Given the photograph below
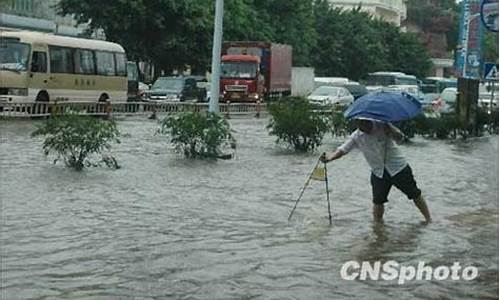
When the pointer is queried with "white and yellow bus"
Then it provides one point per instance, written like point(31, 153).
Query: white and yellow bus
point(47, 68)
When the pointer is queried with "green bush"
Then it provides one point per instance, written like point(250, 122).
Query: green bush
point(198, 135)
point(340, 126)
point(75, 138)
point(295, 123)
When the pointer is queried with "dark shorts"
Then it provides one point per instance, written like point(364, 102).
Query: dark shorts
point(403, 180)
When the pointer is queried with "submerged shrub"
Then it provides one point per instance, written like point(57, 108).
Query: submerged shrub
point(74, 139)
point(340, 126)
point(198, 135)
point(295, 123)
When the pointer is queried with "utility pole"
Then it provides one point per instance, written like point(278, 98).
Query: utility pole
point(216, 53)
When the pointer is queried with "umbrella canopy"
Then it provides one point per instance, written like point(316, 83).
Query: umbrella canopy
point(385, 106)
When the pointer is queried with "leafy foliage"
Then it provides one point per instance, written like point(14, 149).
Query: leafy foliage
point(175, 33)
point(197, 135)
point(295, 123)
point(444, 126)
point(436, 17)
point(169, 33)
point(340, 126)
point(352, 43)
point(490, 46)
point(74, 138)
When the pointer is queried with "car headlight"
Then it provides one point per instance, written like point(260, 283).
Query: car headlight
point(254, 96)
point(17, 92)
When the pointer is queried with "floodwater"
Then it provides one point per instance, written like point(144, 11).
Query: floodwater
point(163, 227)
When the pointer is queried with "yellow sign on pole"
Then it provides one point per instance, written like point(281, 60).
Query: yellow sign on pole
point(319, 173)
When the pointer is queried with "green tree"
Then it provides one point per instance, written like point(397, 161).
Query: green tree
point(5, 3)
point(352, 43)
point(75, 139)
point(176, 33)
point(169, 33)
point(282, 21)
point(405, 52)
point(295, 123)
point(293, 24)
point(490, 45)
point(198, 135)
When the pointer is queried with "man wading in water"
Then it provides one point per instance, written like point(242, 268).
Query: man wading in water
point(389, 167)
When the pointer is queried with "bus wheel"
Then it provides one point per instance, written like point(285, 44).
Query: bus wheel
point(103, 98)
point(41, 103)
point(43, 96)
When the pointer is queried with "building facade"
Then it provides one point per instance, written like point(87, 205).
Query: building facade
point(38, 15)
point(393, 11)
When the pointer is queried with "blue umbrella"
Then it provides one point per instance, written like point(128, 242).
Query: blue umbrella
point(385, 106)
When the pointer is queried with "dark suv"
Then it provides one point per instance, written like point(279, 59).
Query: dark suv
point(176, 89)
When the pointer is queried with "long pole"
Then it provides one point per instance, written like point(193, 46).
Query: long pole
point(303, 189)
point(492, 89)
point(328, 196)
point(216, 53)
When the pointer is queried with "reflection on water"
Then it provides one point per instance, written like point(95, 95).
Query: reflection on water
point(163, 227)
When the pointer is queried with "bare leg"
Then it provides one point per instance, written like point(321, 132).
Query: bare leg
point(378, 213)
point(422, 206)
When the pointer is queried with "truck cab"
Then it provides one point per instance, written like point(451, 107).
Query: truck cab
point(241, 80)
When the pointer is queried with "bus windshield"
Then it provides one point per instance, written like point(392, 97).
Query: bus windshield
point(14, 56)
point(382, 80)
point(238, 70)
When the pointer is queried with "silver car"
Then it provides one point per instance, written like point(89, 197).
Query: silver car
point(331, 95)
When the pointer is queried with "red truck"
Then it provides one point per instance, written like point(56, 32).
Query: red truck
point(255, 71)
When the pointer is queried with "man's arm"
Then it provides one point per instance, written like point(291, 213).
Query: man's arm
point(347, 146)
point(394, 133)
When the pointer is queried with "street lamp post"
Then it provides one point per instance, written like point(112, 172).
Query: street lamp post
point(216, 53)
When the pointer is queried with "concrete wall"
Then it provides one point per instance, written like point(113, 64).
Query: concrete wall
point(302, 81)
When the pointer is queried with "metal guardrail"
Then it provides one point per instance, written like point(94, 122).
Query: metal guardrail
point(41, 109)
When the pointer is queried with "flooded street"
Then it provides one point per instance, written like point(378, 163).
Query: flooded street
point(163, 227)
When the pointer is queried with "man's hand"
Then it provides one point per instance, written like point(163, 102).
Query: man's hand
point(328, 157)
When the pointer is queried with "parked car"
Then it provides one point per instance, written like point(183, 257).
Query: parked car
point(446, 101)
point(330, 95)
point(203, 87)
point(413, 90)
point(428, 99)
point(449, 95)
point(356, 89)
point(485, 96)
point(176, 89)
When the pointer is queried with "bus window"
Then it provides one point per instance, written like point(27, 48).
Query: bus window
point(61, 60)
point(406, 81)
point(84, 62)
point(39, 62)
point(105, 63)
point(121, 64)
point(382, 80)
point(13, 55)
